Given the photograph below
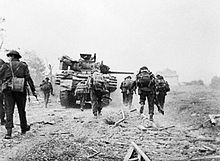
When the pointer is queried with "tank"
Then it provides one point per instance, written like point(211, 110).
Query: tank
point(73, 76)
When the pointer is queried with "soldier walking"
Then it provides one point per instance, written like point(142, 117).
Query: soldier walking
point(162, 87)
point(146, 89)
point(47, 89)
point(128, 87)
point(97, 92)
point(15, 91)
point(2, 108)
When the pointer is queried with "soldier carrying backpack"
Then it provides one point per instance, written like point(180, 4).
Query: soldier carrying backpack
point(47, 88)
point(128, 87)
point(162, 87)
point(145, 81)
point(98, 91)
point(16, 78)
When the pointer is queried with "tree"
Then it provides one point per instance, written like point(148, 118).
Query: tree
point(215, 82)
point(36, 66)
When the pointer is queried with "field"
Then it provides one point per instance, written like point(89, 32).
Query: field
point(59, 133)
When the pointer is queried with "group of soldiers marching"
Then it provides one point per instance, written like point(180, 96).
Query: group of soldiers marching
point(150, 87)
point(15, 81)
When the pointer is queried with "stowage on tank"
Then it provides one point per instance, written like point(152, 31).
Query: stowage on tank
point(73, 79)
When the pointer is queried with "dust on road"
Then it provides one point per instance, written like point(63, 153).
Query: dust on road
point(58, 133)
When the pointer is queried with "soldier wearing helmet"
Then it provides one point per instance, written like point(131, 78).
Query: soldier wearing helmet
point(98, 91)
point(146, 89)
point(162, 87)
point(19, 70)
point(47, 89)
point(128, 87)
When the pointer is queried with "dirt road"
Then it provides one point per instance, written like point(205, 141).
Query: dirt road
point(58, 133)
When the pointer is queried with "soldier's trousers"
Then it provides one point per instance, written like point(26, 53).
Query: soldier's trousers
point(18, 98)
point(96, 107)
point(150, 98)
point(127, 98)
point(2, 108)
point(96, 99)
point(160, 99)
point(46, 98)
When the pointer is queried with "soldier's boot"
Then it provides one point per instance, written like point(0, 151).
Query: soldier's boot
point(82, 105)
point(8, 134)
point(23, 131)
point(161, 110)
point(151, 117)
point(95, 115)
point(100, 113)
point(141, 108)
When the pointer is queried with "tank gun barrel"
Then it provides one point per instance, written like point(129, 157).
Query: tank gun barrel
point(114, 72)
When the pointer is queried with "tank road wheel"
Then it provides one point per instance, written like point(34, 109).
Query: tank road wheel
point(67, 99)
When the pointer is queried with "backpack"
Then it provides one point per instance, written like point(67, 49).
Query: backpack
point(45, 86)
point(144, 79)
point(98, 81)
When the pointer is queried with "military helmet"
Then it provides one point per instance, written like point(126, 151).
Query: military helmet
point(15, 53)
point(128, 77)
point(159, 76)
point(143, 69)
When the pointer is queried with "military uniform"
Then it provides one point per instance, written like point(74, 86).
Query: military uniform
point(146, 91)
point(2, 108)
point(47, 89)
point(162, 87)
point(96, 95)
point(128, 87)
point(20, 70)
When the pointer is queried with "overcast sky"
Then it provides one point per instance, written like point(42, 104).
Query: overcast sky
point(183, 35)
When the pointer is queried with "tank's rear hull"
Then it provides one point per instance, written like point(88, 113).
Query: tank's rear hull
point(74, 87)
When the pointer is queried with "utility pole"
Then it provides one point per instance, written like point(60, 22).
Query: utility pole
point(51, 72)
point(1, 44)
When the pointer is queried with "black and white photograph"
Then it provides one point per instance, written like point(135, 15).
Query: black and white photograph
point(109, 80)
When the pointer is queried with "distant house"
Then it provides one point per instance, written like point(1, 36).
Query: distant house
point(170, 76)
